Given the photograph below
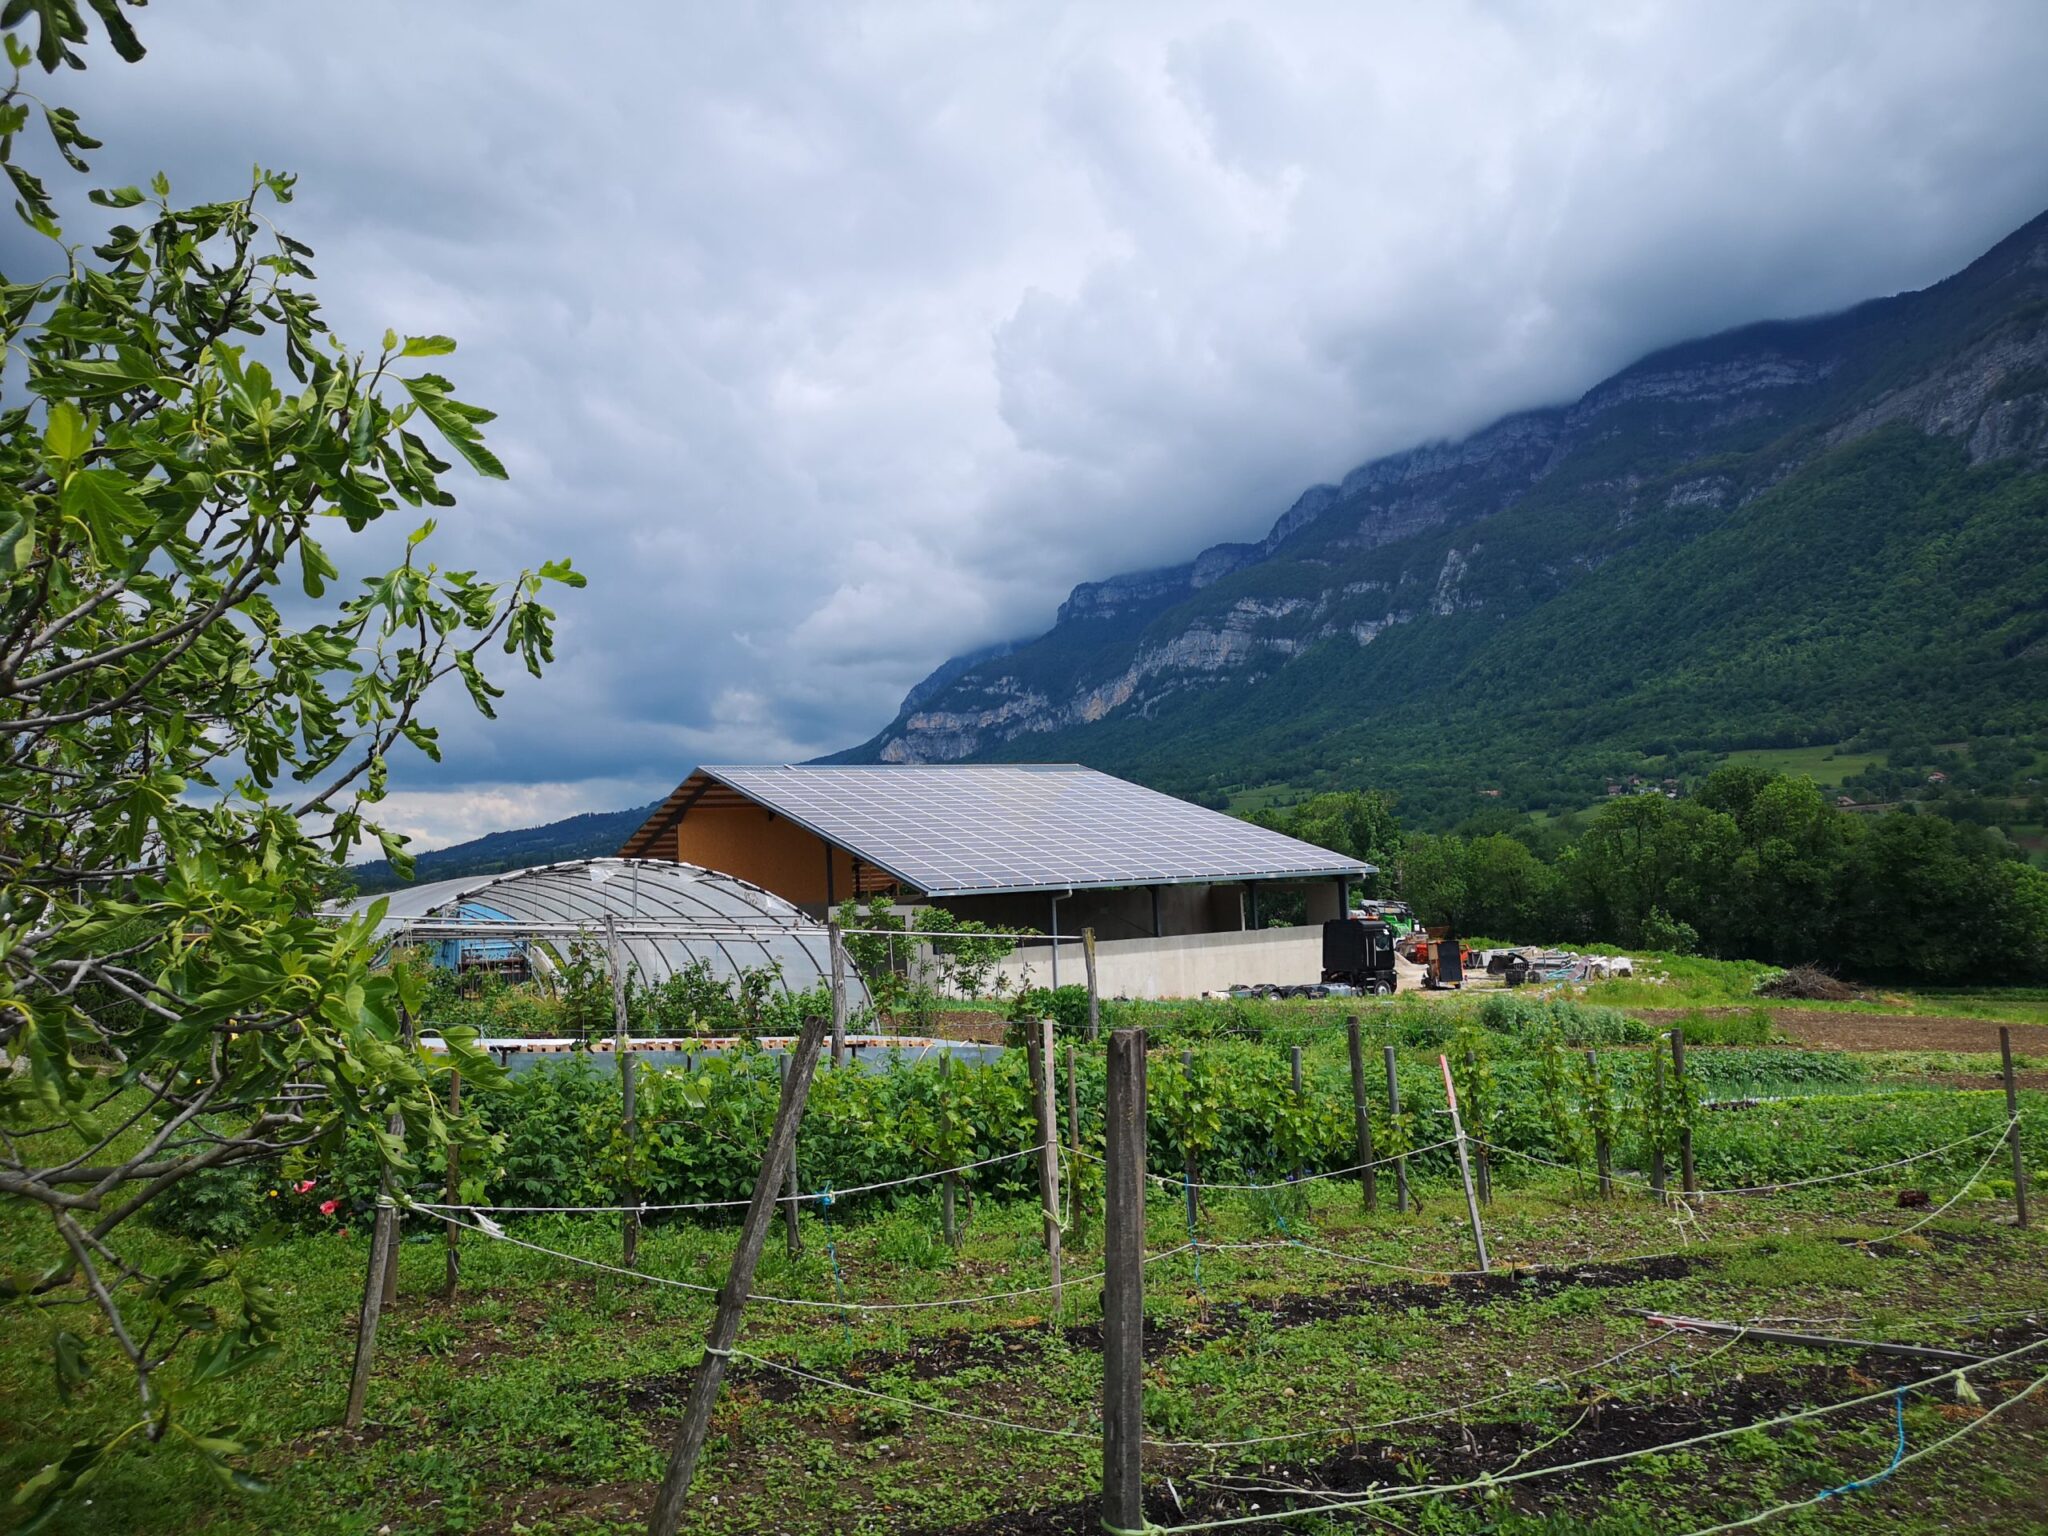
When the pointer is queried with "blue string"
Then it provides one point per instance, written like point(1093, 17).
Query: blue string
point(832, 1252)
point(1898, 1454)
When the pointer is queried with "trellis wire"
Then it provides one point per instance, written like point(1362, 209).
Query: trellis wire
point(942, 1411)
point(491, 1229)
point(1439, 1490)
point(721, 1205)
point(1176, 1181)
point(1772, 1189)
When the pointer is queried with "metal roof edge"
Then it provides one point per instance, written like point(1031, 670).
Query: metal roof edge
point(820, 833)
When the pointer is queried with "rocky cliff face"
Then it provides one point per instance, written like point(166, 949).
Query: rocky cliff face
point(1663, 450)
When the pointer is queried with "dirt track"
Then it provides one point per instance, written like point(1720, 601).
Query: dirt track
point(1826, 1030)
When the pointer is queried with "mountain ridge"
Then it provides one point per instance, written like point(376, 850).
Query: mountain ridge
point(1666, 450)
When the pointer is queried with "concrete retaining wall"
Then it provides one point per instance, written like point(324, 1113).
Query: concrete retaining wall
point(1184, 965)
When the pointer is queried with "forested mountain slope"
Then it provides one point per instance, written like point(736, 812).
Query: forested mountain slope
point(1826, 530)
point(596, 834)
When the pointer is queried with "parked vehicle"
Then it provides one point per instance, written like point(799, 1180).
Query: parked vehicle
point(1359, 952)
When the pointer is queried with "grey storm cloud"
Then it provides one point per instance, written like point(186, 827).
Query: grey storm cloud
point(830, 341)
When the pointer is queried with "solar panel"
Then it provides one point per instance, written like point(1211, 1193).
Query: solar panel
point(969, 829)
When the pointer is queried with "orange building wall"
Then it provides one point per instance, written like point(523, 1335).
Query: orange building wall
point(754, 843)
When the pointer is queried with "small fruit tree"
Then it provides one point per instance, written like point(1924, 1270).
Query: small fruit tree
point(195, 730)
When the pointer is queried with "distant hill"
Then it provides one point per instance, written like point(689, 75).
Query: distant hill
point(594, 834)
point(1796, 535)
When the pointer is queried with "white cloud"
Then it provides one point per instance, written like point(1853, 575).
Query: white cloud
point(830, 341)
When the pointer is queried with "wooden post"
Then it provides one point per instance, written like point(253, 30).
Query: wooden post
point(1294, 1065)
point(790, 1232)
point(383, 1270)
point(1685, 1173)
point(1464, 1164)
point(2012, 1113)
point(1049, 1156)
point(1094, 1000)
point(1187, 1072)
point(1073, 1134)
point(451, 1188)
point(1663, 1109)
point(1123, 1288)
point(1368, 1180)
point(1603, 1154)
point(1394, 1109)
point(1485, 1163)
point(838, 948)
point(732, 1296)
point(629, 1120)
point(949, 1184)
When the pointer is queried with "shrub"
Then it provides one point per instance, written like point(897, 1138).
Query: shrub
point(1573, 1022)
point(1752, 1027)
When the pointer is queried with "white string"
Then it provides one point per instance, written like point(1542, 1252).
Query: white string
point(1926, 1450)
point(1171, 1182)
point(1438, 1490)
point(1951, 1200)
point(492, 1230)
point(1220, 1445)
point(1435, 1413)
point(1898, 1162)
point(1766, 1189)
point(722, 1205)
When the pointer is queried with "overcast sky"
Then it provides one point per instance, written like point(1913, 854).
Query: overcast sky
point(831, 340)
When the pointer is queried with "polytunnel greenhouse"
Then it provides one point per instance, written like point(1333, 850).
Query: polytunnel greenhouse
point(668, 917)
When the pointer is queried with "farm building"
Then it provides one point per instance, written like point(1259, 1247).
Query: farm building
point(669, 916)
point(1049, 846)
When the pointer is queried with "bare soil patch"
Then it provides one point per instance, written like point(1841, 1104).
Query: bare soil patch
point(1472, 1448)
point(1822, 1029)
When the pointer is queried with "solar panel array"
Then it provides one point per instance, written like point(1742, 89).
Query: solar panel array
point(968, 829)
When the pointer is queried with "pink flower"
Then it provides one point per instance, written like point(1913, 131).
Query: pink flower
point(327, 1207)
point(305, 1185)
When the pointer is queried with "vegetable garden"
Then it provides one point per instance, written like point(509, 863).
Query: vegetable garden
point(1310, 1350)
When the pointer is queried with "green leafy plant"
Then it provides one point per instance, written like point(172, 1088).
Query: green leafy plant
point(195, 731)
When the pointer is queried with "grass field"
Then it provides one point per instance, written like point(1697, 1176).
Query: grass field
point(542, 1394)
point(1825, 765)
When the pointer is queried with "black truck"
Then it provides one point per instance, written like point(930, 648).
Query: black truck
point(1360, 953)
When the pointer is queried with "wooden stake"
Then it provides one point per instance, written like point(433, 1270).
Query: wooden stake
point(629, 1193)
point(1394, 1109)
point(1294, 1065)
point(1049, 1159)
point(1123, 1289)
point(1187, 1072)
point(1657, 1151)
point(1603, 1154)
point(789, 1185)
point(2012, 1111)
point(383, 1267)
point(1368, 1176)
point(1094, 1001)
point(1073, 1134)
point(1485, 1163)
point(1464, 1164)
point(1685, 1175)
point(838, 948)
point(667, 1515)
point(949, 1184)
point(1780, 1336)
point(451, 1189)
